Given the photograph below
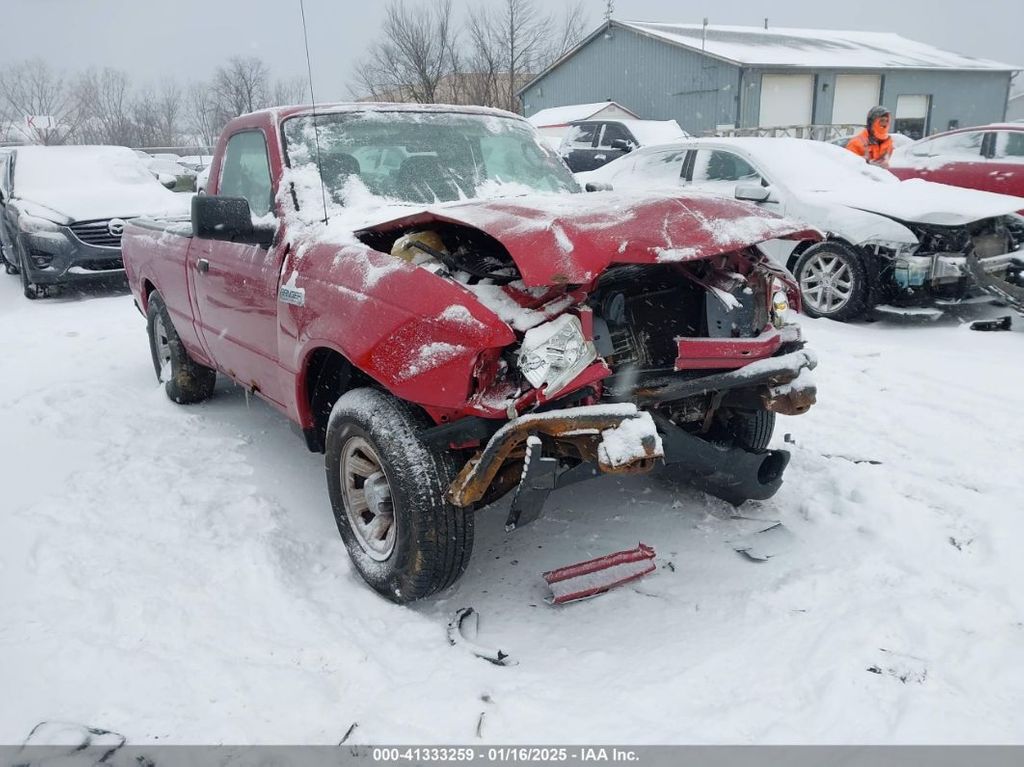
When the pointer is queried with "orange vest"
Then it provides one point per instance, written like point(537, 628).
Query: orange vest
point(873, 151)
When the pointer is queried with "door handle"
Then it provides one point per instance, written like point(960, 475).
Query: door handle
point(202, 265)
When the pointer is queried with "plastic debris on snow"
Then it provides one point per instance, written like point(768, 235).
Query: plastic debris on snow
point(463, 629)
point(769, 539)
point(596, 576)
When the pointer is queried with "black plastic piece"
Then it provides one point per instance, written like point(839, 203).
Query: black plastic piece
point(540, 476)
point(731, 473)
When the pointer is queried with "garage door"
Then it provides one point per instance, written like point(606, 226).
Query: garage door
point(786, 100)
point(854, 96)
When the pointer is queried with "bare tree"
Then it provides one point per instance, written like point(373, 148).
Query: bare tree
point(169, 105)
point(32, 88)
point(201, 119)
point(413, 55)
point(514, 44)
point(240, 86)
point(293, 90)
point(107, 105)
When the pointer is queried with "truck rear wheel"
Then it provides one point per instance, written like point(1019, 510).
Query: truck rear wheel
point(388, 490)
point(185, 380)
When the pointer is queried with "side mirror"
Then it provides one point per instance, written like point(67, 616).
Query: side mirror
point(228, 219)
point(622, 145)
point(753, 192)
point(597, 186)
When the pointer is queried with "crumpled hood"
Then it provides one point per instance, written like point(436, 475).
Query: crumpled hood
point(922, 202)
point(559, 239)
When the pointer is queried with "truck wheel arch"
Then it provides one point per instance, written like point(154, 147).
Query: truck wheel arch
point(326, 375)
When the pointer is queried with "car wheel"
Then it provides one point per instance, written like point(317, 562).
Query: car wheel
point(185, 380)
point(833, 281)
point(751, 429)
point(31, 290)
point(388, 491)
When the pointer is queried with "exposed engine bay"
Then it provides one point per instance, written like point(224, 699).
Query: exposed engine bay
point(670, 338)
point(937, 266)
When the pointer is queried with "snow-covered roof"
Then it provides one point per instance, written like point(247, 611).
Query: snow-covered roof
point(812, 48)
point(571, 112)
point(654, 131)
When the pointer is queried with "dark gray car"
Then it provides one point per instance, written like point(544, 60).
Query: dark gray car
point(62, 211)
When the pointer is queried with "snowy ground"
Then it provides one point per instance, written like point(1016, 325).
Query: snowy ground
point(175, 574)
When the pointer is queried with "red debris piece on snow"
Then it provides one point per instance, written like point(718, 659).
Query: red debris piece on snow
point(587, 579)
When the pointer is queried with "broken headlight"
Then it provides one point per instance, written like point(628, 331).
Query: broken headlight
point(554, 353)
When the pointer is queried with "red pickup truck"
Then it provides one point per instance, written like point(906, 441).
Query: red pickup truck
point(429, 295)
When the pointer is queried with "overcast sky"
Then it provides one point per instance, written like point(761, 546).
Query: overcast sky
point(186, 39)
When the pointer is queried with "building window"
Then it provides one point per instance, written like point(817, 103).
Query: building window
point(912, 115)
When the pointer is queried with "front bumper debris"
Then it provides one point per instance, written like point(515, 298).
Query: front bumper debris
point(773, 372)
point(586, 429)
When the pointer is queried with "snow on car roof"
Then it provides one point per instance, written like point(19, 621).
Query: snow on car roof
point(654, 131)
point(834, 49)
point(283, 112)
point(571, 112)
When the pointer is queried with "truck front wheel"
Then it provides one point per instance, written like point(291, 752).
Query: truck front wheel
point(185, 380)
point(388, 490)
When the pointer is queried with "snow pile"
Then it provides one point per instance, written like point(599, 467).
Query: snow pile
point(630, 441)
point(175, 573)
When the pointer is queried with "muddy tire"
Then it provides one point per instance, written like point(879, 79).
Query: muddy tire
point(833, 280)
point(388, 489)
point(185, 380)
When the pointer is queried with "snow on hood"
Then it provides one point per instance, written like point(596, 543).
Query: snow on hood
point(572, 238)
point(923, 202)
point(87, 183)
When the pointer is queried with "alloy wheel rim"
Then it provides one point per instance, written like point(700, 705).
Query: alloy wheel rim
point(826, 283)
point(163, 347)
point(369, 505)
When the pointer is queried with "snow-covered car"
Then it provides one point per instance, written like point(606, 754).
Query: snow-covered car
point(889, 242)
point(202, 180)
point(64, 209)
point(471, 323)
point(989, 158)
point(589, 144)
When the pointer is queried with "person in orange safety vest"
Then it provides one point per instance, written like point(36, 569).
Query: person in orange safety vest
point(874, 143)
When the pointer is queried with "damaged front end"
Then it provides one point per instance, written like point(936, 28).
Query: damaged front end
point(954, 264)
point(649, 361)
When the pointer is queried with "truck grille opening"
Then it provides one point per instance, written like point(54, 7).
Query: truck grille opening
point(640, 311)
point(96, 233)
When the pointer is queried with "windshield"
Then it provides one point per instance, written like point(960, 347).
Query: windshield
point(424, 157)
point(816, 166)
point(39, 170)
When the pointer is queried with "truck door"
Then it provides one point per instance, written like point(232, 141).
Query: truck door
point(235, 285)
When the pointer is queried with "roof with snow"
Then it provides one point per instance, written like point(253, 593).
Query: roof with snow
point(571, 112)
point(812, 48)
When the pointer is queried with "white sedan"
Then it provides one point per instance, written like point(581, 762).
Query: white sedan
point(887, 241)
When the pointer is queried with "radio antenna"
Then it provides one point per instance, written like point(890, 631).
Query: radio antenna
point(312, 99)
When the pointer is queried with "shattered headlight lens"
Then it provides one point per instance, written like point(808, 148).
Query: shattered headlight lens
point(554, 353)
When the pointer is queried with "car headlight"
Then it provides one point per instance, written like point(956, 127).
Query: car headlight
point(32, 224)
point(554, 353)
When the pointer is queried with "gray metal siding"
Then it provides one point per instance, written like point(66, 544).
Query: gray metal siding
point(654, 79)
point(970, 98)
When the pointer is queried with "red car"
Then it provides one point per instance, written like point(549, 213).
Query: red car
point(989, 158)
point(425, 291)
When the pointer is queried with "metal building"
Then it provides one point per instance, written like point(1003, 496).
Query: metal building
point(723, 78)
